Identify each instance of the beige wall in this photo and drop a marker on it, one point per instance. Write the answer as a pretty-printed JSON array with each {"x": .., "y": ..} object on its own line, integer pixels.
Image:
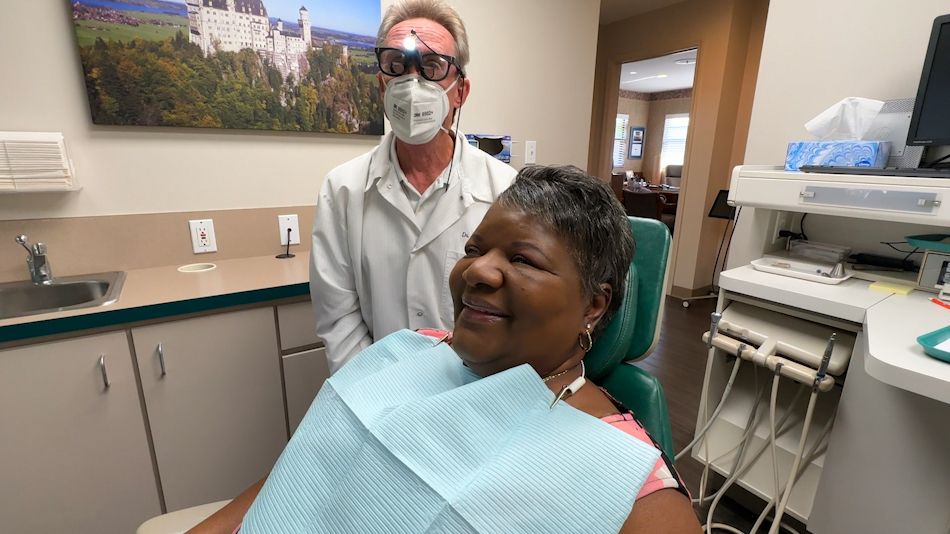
[
  {"x": 891, "y": 39},
  {"x": 638, "y": 111},
  {"x": 725, "y": 33},
  {"x": 153, "y": 170},
  {"x": 242, "y": 179},
  {"x": 659, "y": 109}
]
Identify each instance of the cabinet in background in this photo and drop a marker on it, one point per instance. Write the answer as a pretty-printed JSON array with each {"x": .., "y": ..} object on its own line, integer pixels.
[
  {"x": 74, "y": 453},
  {"x": 304, "y": 374},
  {"x": 213, "y": 395},
  {"x": 305, "y": 363}
]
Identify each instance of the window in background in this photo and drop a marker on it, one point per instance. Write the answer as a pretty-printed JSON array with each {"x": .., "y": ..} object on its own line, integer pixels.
[
  {"x": 620, "y": 140},
  {"x": 673, "y": 150}
]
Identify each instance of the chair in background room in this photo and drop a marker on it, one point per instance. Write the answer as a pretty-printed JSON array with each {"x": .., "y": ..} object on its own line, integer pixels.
[{"x": 674, "y": 175}]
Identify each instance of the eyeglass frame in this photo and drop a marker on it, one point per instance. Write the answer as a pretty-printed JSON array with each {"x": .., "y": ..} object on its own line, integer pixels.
[{"x": 415, "y": 58}]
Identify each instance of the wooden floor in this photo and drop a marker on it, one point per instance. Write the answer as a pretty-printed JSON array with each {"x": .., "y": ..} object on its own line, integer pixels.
[{"x": 678, "y": 362}]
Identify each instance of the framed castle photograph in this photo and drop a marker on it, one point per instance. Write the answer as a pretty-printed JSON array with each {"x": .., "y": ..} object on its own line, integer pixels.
[{"x": 290, "y": 65}]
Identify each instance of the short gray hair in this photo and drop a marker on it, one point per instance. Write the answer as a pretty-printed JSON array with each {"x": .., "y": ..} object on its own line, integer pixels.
[
  {"x": 435, "y": 10},
  {"x": 587, "y": 215}
]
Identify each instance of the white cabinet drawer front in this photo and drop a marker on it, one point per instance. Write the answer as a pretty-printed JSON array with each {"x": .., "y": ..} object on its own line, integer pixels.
[
  {"x": 213, "y": 394},
  {"x": 304, "y": 374},
  {"x": 74, "y": 454},
  {"x": 298, "y": 328}
]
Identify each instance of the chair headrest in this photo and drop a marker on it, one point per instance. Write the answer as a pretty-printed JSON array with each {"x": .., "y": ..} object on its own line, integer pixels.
[
  {"x": 675, "y": 171},
  {"x": 633, "y": 330}
]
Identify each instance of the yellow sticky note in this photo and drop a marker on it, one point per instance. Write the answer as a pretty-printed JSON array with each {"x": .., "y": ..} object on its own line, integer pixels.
[{"x": 887, "y": 287}]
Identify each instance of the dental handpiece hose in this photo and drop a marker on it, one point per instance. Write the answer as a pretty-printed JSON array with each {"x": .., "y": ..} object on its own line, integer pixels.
[{"x": 822, "y": 369}]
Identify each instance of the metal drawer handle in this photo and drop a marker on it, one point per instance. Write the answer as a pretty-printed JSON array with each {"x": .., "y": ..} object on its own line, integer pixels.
[
  {"x": 161, "y": 357},
  {"x": 102, "y": 369}
]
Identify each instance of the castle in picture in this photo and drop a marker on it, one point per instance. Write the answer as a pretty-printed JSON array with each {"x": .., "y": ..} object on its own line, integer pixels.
[{"x": 233, "y": 25}]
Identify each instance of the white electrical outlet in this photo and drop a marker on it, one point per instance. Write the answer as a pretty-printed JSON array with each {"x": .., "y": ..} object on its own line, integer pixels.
[
  {"x": 202, "y": 236},
  {"x": 530, "y": 152},
  {"x": 289, "y": 222}
]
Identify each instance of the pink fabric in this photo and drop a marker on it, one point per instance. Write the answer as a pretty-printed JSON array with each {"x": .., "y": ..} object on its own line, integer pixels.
[{"x": 662, "y": 476}]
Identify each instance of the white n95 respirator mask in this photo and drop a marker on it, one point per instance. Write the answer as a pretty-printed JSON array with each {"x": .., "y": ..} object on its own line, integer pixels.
[{"x": 416, "y": 108}]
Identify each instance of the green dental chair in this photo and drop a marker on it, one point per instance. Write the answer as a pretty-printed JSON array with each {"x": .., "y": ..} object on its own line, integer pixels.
[
  {"x": 629, "y": 337},
  {"x": 633, "y": 332}
]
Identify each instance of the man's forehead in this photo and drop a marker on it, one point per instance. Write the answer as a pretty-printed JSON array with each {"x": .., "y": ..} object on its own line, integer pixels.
[{"x": 433, "y": 33}]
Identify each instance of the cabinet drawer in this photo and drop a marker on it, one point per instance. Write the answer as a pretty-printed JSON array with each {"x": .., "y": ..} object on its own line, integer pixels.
[
  {"x": 297, "y": 326},
  {"x": 304, "y": 374}
]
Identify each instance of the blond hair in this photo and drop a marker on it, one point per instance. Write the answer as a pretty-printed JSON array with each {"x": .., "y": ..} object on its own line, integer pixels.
[{"x": 435, "y": 10}]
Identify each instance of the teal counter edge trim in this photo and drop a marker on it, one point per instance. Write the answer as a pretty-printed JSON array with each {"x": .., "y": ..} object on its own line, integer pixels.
[{"x": 147, "y": 313}]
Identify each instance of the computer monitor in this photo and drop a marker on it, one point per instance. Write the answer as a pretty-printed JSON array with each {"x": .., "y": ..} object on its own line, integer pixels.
[{"x": 930, "y": 123}]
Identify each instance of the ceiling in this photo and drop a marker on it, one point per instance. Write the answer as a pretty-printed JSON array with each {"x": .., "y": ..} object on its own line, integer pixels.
[
  {"x": 659, "y": 74},
  {"x": 614, "y": 10}
]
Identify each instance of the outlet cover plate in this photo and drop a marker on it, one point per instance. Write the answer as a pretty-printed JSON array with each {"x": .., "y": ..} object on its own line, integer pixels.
[
  {"x": 285, "y": 222},
  {"x": 202, "y": 236},
  {"x": 530, "y": 152}
]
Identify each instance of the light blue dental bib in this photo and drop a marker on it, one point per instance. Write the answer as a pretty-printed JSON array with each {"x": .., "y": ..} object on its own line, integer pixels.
[{"x": 405, "y": 439}]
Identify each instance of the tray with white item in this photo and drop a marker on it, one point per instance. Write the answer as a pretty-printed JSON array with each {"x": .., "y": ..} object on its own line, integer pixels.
[{"x": 795, "y": 268}]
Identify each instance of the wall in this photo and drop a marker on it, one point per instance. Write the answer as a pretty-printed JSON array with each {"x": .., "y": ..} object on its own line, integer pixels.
[
  {"x": 161, "y": 170},
  {"x": 785, "y": 100},
  {"x": 725, "y": 32},
  {"x": 786, "y": 96},
  {"x": 638, "y": 112}
]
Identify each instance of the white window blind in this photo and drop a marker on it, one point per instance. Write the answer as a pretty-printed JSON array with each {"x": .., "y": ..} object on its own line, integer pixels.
[
  {"x": 34, "y": 161},
  {"x": 620, "y": 139},
  {"x": 673, "y": 150}
]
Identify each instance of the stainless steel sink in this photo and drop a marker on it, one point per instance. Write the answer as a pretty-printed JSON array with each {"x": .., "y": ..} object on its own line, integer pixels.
[{"x": 65, "y": 293}]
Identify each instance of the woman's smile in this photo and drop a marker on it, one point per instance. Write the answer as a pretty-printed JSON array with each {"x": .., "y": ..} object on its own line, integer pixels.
[{"x": 478, "y": 311}]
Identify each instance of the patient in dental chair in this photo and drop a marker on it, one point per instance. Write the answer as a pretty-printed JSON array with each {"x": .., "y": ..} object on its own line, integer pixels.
[{"x": 500, "y": 432}]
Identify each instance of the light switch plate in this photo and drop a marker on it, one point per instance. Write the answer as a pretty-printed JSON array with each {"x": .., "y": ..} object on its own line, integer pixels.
[
  {"x": 285, "y": 222},
  {"x": 202, "y": 236},
  {"x": 530, "y": 152}
]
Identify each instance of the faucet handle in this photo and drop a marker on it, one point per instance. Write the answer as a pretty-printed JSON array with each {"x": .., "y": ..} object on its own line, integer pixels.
[
  {"x": 22, "y": 241},
  {"x": 39, "y": 249}
]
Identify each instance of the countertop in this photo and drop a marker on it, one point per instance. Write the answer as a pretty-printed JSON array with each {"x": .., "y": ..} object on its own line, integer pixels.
[{"x": 164, "y": 291}]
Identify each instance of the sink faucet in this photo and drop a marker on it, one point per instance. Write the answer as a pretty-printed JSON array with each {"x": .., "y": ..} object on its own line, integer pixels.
[{"x": 40, "y": 270}]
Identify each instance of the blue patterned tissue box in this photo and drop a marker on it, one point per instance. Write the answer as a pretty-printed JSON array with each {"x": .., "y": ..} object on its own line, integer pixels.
[{"x": 837, "y": 154}]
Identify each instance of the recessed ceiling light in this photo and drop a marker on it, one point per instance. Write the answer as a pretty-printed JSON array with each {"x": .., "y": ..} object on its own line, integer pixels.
[
  {"x": 661, "y": 75},
  {"x": 686, "y": 61},
  {"x": 633, "y": 72}
]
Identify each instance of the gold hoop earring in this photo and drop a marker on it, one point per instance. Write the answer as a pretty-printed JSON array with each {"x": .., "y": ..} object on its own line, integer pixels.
[{"x": 590, "y": 340}]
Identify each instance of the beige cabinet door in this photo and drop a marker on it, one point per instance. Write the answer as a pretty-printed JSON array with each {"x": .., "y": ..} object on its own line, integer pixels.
[
  {"x": 298, "y": 327},
  {"x": 304, "y": 374},
  {"x": 214, "y": 400},
  {"x": 74, "y": 453}
]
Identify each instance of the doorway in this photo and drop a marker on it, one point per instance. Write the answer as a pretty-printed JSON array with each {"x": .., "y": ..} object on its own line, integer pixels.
[{"x": 648, "y": 154}]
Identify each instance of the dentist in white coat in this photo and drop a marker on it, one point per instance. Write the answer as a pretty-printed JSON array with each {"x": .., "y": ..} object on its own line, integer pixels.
[{"x": 391, "y": 223}]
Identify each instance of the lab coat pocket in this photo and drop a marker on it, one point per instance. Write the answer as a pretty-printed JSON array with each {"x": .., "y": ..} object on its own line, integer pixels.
[{"x": 447, "y": 309}]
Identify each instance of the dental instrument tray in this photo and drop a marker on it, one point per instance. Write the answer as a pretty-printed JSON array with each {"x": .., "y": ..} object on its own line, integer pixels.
[
  {"x": 936, "y": 343},
  {"x": 823, "y": 273}
]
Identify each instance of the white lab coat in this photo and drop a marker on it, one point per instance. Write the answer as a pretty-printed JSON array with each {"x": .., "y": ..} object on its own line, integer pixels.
[{"x": 348, "y": 316}]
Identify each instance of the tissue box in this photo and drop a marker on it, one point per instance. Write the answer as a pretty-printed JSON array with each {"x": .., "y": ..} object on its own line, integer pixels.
[{"x": 837, "y": 154}]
